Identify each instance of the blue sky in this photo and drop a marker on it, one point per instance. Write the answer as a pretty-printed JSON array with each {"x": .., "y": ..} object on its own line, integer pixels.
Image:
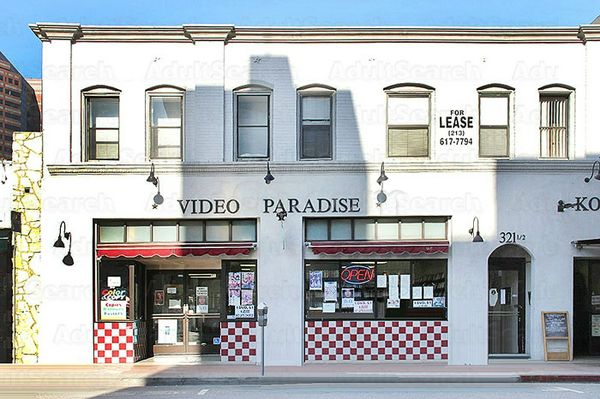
[{"x": 24, "y": 50}]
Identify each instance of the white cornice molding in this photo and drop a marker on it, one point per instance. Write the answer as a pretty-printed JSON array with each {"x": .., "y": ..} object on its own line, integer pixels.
[
  {"x": 56, "y": 31},
  {"x": 518, "y": 166},
  {"x": 199, "y": 33},
  {"x": 229, "y": 33},
  {"x": 405, "y": 34},
  {"x": 589, "y": 33}
]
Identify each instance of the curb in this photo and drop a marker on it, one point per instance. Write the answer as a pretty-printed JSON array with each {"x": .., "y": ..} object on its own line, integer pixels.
[{"x": 591, "y": 378}]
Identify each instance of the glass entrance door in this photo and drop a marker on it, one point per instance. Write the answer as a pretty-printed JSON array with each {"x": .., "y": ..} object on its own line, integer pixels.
[
  {"x": 185, "y": 311},
  {"x": 506, "y": 306}
]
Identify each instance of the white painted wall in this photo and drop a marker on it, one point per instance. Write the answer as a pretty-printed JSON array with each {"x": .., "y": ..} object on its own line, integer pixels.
[{"x": 520, "y": 199}]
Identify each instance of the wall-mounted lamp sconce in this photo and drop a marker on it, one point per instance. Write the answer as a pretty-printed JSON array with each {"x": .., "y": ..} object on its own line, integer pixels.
[
  {"x": 59, "y": 243},
  {"x": 562, "y": 205},
  {"x": 597, "y": 176},
  {"x": 475, "y": 232},
  {"x": 151, "y": 177},
  {"x": 281, "y": 215},
  {"x": 158, "y": 198},
  {"x": 381, "y": 197},
  {"x": 269, "y": 177}
]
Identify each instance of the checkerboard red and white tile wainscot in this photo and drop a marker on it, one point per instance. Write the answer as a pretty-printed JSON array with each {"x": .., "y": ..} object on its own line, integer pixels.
[
  {"x": 238, "y": 341},
  {"x": 375, "y": 340},
  {"x": 114, "y": 343}
]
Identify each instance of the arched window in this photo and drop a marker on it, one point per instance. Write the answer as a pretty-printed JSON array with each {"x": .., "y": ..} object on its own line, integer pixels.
[
  {"x": 315, "y": 121},
  {"x": 555, "y": 104},
  {"x": 408, "y": 119},
  {"x": 165, "y": 109},
  {"x": 101, "y": 123},
  {"x": 252, "y": 108},
  {"x": 494, "y": 120}
]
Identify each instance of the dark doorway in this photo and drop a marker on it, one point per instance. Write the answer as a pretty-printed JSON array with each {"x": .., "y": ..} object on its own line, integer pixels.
[
  {"x": 586, "y": 307},
  {"x": 6, "y": 295}
]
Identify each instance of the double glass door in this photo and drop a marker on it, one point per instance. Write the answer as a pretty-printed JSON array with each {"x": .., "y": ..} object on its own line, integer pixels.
[
  {"x": 506, "y": 306},
  {"x": 185, "y": 311}
]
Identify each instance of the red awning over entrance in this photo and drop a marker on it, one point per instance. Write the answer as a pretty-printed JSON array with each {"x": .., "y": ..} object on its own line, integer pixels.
[
  {"x": 177, "y": 250},
  {"x": 378, "y": 247}
]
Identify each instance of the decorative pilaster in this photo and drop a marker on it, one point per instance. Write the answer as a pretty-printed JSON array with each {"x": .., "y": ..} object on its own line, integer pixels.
[{"x": 27, "y": 167}]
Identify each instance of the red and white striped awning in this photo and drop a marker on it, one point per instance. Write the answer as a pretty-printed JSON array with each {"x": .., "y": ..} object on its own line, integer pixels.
[
  {"x": 378, "y": 247},
  {"x": 114, "y": 251}
]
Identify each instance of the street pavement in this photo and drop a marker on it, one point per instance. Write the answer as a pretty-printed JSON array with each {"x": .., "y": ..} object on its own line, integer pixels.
[{"x": 319, "y": 391}]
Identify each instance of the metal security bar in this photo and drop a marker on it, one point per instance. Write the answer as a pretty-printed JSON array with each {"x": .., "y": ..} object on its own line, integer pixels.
[{"x": 554, "y": 126}]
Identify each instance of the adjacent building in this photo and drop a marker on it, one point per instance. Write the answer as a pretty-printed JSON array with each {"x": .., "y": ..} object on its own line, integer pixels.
[
  {"x": 19, "y": 106},
  {"x": 389, "y": 193}
]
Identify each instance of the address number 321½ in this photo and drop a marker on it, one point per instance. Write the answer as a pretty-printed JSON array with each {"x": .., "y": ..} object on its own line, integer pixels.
[{"x": 510, "y": 237}]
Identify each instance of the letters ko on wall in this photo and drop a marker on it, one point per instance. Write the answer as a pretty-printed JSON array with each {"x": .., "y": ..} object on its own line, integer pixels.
[{"x": 290, "y": 205}]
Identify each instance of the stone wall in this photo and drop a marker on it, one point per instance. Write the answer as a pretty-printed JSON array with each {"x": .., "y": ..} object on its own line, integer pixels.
[{"x": 27, "y": 169}]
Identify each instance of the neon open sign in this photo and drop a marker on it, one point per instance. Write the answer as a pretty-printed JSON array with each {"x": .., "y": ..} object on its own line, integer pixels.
[{"x": 357, "y": 274}]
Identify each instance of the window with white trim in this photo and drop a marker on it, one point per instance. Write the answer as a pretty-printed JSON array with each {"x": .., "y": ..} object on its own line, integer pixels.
[
  {"x": 554, "y": 122},
  {"x": 253, "y": 122},
  {"x": 165, "y": 122},
  {"x": 101, "y": 124},
  {"x": 315, "y": 123},
  {"x": 408, "y": 121},
  {"x": 494, "y": 125}
]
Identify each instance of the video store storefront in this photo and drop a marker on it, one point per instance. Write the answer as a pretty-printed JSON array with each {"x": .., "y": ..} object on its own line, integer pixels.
[
  {"x": 175, "y": 287},
  {"x": 375, "y": 289}
]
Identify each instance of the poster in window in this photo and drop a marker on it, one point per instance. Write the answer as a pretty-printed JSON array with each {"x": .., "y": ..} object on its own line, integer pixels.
[
  {"x": 247, "y": 280},
  {"x": 439, "y": 302},
  {"x": 363, "y": 306},
  {"x": 244, "y": 312},
  {"x": 428, "y": 292},
  {"x": 234, "y": 297},
  {"x": 201, "y": 299},
  {"x": 113, "y": 310},
  {"x": 174, "y": 303},
  {"x": 405, "y": 286},
  {"x": 382, "y": 281},
  {"x": 159, "y": 297},
  {"x": 113, "y": 281},
  {"x": 171, "y": 290},
  {"x": 167, "y": 331},
  {"x": 234, "y": 280},
  {"x": 393, "y": 289},
  {"x": 247, "y": 296},
  {"x": 596, "y": 325},
  {"x": 417, "y": 292},
  {"x": 315, "y": 280},
  {"x": 348, "y": 298},
  {"x": 330, "y": 291},
  {"x": 393, "y": 303},
  {"x": 328, "y": 307}
]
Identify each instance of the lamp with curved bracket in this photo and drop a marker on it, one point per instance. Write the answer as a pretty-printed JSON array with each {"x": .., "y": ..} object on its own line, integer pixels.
[{"x": 476, "y": 237}]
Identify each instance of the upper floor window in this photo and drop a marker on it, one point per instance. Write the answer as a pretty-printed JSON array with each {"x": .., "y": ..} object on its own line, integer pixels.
[
  {"x": 102, "y": 123},
  {"x": 165, "y": 122},
  {"x": 554, "y": 121},
  {"x": 408, "y": 120},
  {"x": 253, "y": 122},
  {"x": 494, "y": 116},
  {"x": 316, "y": 122}
]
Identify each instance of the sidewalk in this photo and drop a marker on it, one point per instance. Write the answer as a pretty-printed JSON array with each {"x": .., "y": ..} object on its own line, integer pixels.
[{"x": 142, "y": 374}]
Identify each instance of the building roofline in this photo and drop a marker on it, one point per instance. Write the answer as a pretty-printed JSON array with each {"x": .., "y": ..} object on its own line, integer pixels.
[{"x": 317, "y": 34}]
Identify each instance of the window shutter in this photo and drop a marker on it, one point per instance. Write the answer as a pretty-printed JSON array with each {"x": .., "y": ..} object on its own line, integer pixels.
[
  {"x": 493, "y": 142},
  {"x": 408, "y": 142}
]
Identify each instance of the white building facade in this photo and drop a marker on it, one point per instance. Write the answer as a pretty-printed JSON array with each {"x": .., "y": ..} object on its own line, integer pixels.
[{"x": 474, "y": 128}]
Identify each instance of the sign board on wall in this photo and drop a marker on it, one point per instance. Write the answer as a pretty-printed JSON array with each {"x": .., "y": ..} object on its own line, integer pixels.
[{"x": 557, "y": 340}]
